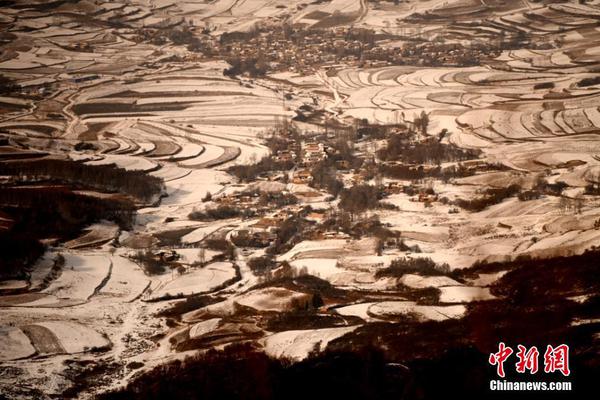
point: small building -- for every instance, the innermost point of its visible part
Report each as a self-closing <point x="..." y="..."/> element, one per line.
<point x="302" y="177"/>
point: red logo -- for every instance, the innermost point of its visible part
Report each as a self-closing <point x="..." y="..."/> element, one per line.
<point x="528" y="359"/>
<point x="498" y="358"/>
<point x="555" y="359"/>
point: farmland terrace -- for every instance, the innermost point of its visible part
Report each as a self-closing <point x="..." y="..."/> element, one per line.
<point x="296" y="191"/>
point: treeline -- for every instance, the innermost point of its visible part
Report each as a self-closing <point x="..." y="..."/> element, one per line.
<point x="411" y="173"/>
<point x="589" y="81"/>
<point x="58" y="212"/>
<point x="431" y="151"/>
<point x="42" y="213"/>
<point x="492" y="196"/>
<point x="177" y="35"/>
<point x="18" y="251"/>
<point x="423" y="266"/>
<point x="7" y="86"/>
<point x="359" y="198"/>
<point x="150" y="263"/>
<point x="253" y="66"/>
<point x="222" y="211"/>
<point x="248" y="173"/>
<point x="324" y="177"/>
<point x="100" y="177"/>
<point x="376" y="131"/>
<point x="275" y="199"/>
<point x="288" y="234"/>
<point x="236" y="36"/>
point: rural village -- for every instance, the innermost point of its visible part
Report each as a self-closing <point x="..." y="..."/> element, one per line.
<point x="297" y="185"/>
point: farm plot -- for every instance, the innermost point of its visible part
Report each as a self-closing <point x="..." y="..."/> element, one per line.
<point x="390" y="310"/>
<point x="464" y="294"/>
<point x="274" y="299"/>
<point x="202" y="280"/>
<point x="14" y="344"/>
<point x="130" y="163"/>
<point x="57" y="337"/>
<point x="192" y="188"/>
<point x="333" y="248"/>
<point x="81" y="278"/>
<point x="296" y="345"/>
<point x="96" y="235"/>
<point x="127" y="281"/>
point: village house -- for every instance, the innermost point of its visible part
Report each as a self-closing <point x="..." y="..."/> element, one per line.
<point x="268" y="223"/>
<point x="302" y="176"/>
<point x="166" y="256"/>
<point x="316" y="216"/>
<point x="256" y="238"/>
<point x="335" y="235"/>
<point x="285" y="156"/>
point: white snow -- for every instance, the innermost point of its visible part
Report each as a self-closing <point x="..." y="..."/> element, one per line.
<point x="75" y="337"/>
<point x="200" y="280"/>
<point x="204" y="327"/>
<point x="273" y="299"/>
<point x="14" y="344"/>
<point x="298" y="344"/>
<point x="464" y="294"/>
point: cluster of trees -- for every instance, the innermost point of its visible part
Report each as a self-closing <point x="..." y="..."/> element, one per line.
<point x="431" y="151"/>
<point x="359" y="198"/>
<point x="223" y="245"/>
<point x="593" y="189"/>
<point x="527" y="195"/>
<point x="58" y="212"/>
<point x="542" y="186"/>
<point x="435" y="54"/>
<point x="260" y="265"/>
<point x="591" y="81"/>
<point x="424" y="266"/>
<point x="180" y="36"/>
<point x="571" y="204"/>
<point x="324" y="177"/>
<point x="342" y="149"/>
<point x="222" y="211"/>
<point x="375" y="131"/>
<point x="544" y="85"/>
<point x="99" y="177"/>
<point x="412" y="173"/>
<point x="248" y="173"/>
<point x="276" y="199"/>
<point x="18" y="252"/>
<point x="551" y="189"/>
<point x="283" y="137"/>
<point x="253" y="66"/>
<point x="492" y="196"/>
<point x="289" y="232"/>
<point x="53" y="212"/>
<point x="421" y="122"/>
<point x="7" y="85"/>
<point x="243" y="238"/>
<point x="151" y="264"/>
<point x="236" y="36"/>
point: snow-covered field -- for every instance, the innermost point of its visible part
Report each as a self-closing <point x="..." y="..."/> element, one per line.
<point x="173" y="114"/>
<point x="200" y="280"/>
<point x="296" y="345"/>
<point x="398" y="309"/>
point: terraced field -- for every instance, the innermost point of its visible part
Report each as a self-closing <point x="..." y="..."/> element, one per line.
<point x="107" y="83"/>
